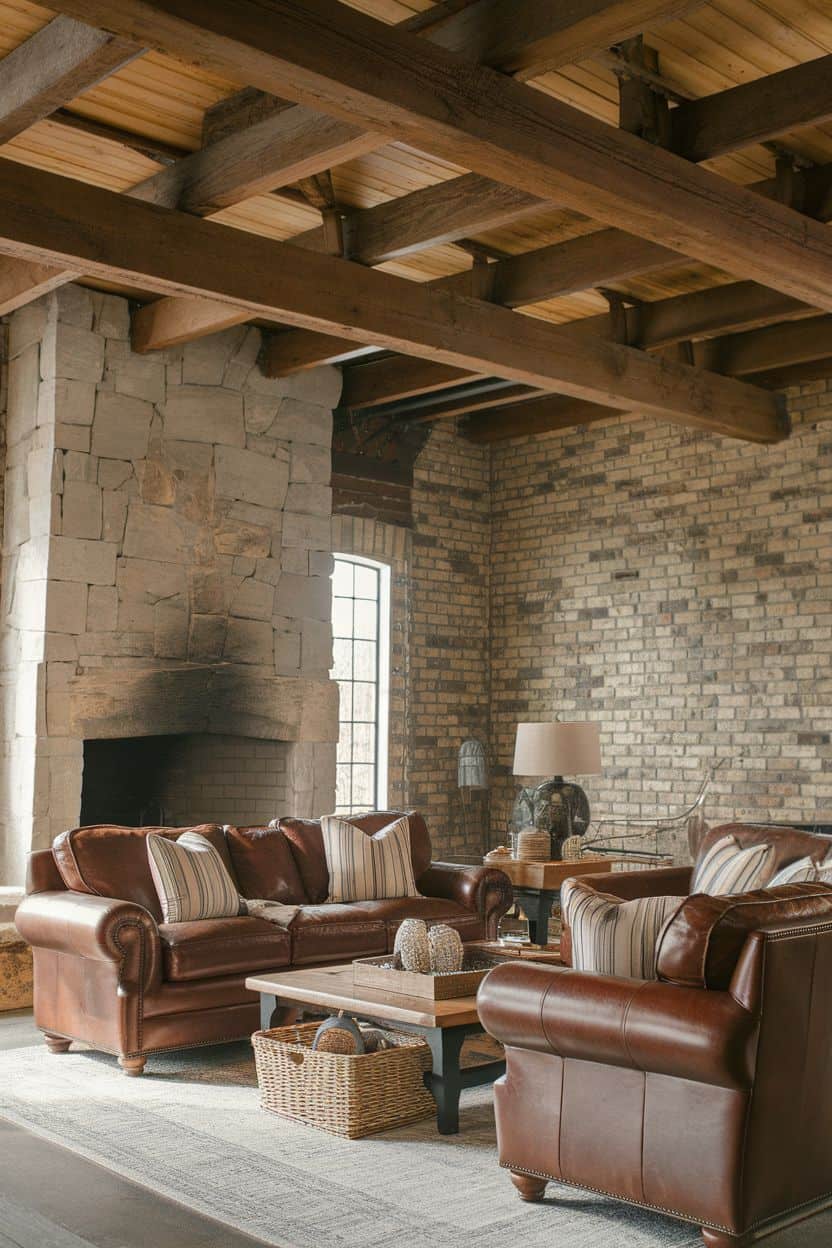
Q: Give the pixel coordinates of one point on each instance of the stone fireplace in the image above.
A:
(165, 636)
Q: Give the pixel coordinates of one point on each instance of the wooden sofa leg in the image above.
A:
(721, 1239)
(132, 1065)
(528, 1187)
(56, 1044)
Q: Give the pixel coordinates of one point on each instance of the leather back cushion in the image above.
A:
(789, 843)
(111, 861)
(307, 844)
(701, 945)
(264, 864)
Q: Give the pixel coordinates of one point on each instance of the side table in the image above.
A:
(537, 885)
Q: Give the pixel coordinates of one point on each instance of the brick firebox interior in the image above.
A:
(670, 584)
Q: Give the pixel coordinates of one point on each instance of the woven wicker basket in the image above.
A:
(348, 1094)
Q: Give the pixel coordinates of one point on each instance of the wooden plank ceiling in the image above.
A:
(524, 213)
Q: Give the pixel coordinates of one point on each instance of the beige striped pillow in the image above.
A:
(191, 879)
(727, 869)
(368, 868)
(614, 937)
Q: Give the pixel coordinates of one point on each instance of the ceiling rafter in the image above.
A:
(543, 28)
(52, 67)
(49, 219)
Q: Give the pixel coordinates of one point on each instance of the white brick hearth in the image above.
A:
(166, 563)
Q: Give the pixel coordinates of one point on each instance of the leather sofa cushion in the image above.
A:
(111, 861)
(789, 843)
(208, 948)
(307, 845)
(702, 943)
(264, 864)
(337, 933)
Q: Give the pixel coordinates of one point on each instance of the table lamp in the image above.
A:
(555, 749)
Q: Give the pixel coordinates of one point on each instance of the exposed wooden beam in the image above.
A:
(775, 347)
(53, 67)
(342, 62)
(707, 313)
(293, 143)
(651, 326)
(173, 320)
(794, 374)
(527, 37)
(754, 111)
(539, 415)
(58, 221)
(432, 215)
(395, 377)
(21, 281)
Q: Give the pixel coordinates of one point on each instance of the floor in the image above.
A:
(83, 1205)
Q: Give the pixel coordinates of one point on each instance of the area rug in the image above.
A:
(191, 1129)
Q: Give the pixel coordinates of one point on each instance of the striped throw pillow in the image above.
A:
(368, 868)
(804, 871)
(727, 869)
(614, 937)
(191, 879)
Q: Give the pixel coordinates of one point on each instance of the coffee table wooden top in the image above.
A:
(333, 988)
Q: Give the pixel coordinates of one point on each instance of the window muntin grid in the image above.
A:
(360, 628)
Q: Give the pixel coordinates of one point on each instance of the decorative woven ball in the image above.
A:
(446, 952)
(339, 1035)
(572, 848)
(412, 946)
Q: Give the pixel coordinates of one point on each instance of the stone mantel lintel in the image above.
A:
(228, 699)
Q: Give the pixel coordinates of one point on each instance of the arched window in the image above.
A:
(361, 665)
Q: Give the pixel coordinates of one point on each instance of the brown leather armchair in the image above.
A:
(705, 1095)
(110, 972)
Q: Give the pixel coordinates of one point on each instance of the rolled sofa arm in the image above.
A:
(485, 890)
(99, 928)
(689, 1033)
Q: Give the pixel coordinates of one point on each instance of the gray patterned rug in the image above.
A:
(192, 1129)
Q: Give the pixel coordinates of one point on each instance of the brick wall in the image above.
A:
(677, 588)
(439, 634)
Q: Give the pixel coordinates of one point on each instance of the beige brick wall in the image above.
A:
(677, 588)
(439, 634)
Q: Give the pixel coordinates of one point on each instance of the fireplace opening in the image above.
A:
(183, 779)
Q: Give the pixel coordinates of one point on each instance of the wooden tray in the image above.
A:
(376, 973)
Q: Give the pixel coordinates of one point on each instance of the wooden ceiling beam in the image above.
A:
(526, 38)
(543, 414)
(52, 67)
(754, 111)
(21, 281)
(651, 326)
(259, 157)
(774, 347)
(428, 217)
(56, 221)
(293, 143)
(342, 62)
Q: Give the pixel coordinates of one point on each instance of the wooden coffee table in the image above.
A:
(444, 1024)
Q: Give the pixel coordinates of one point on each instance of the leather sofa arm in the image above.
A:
(485, 890)
(102, 929)
(707, 1037)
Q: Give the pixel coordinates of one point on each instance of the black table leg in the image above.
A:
(537, 905)
(444, 1082)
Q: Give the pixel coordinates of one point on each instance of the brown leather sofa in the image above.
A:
(108, 970)
(707, 1094)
